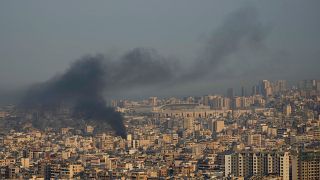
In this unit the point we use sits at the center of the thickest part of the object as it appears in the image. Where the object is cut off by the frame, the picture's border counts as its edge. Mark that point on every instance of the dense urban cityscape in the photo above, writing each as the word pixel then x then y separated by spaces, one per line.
pixel 159 90
pixel 271 131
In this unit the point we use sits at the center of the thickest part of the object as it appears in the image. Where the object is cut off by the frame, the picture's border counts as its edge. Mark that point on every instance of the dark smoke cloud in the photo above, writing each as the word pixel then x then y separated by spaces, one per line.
pixel 83 84
pixel 80 87
pixel 83 78
pixel 140 67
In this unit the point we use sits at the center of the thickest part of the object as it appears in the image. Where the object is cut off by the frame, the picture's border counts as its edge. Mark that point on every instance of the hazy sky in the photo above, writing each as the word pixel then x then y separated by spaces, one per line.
pixel 39 39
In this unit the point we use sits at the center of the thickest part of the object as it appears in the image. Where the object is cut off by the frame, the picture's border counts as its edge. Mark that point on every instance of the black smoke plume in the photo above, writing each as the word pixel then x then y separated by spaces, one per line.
pixel 82 86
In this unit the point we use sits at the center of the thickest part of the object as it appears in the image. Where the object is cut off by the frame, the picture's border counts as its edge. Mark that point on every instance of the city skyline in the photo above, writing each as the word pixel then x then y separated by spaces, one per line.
pixel 274 133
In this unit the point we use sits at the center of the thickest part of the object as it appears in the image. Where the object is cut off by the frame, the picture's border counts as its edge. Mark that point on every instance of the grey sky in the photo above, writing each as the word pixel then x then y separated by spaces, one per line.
pixel 39 39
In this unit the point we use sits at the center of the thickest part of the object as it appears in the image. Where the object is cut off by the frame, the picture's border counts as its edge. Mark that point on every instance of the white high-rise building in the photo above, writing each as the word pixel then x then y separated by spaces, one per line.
pixel 258 164
pixel 227 165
